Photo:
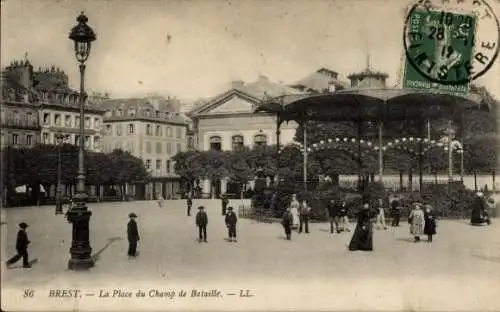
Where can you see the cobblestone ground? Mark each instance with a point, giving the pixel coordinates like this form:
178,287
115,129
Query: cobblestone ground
459,270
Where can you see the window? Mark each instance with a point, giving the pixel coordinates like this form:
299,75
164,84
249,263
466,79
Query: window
46,118
29,117
15,139
87,122
148,112
46,138
169,148
16,117
97,143
67,121
216,143
149,130
119,129
148,163
178,133
260,140
87,141
119,112
158,164
77,121
109,129
168,165
29,139
158,131
148,147
237,141
190,143
77,140
97,123
131,129
157,113
131,111
158,147
179,147
169,132
57,119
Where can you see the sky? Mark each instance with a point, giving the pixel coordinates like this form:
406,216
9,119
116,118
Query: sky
193,49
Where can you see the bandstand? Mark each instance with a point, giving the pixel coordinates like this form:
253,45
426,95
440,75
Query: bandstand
368,103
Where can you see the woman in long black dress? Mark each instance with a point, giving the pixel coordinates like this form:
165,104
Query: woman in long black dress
362,239
430,223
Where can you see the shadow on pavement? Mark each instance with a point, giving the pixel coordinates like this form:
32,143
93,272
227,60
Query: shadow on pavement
111,240
487,258
406,239
31,262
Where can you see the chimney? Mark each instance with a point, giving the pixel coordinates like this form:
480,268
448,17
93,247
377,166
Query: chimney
237,84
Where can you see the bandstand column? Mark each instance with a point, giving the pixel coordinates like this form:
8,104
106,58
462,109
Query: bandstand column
358,138
278,146
304,167
380,152
421,124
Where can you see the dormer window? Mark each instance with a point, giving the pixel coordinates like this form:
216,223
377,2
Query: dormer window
157,113
119,112
148,112
131,111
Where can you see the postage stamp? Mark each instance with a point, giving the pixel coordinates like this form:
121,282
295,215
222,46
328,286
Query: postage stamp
448,44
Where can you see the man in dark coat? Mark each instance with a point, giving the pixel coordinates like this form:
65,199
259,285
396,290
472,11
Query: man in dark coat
189,202
201,223
22,243
225,202
132,235
304,210
395,213
333,215
231,221
287,221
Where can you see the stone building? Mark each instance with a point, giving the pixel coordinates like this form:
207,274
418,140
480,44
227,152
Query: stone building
228,121
152,130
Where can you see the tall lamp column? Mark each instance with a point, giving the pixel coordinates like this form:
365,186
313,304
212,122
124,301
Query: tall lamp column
79,216
59,140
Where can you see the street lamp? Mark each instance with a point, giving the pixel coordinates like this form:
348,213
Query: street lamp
59,140
79,216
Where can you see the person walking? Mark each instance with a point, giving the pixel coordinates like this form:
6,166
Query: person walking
22,243
333,215
189,202
294,210
343,217
132,235
201,223
417,221
231,221
380,221
304,210
225,202
395,213
362,238
429,223
287,221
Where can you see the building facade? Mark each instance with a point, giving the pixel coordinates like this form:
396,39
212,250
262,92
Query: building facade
152,130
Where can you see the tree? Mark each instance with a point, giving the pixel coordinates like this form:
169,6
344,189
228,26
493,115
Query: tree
189,166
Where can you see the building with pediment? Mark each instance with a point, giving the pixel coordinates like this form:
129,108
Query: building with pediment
153,130
228,121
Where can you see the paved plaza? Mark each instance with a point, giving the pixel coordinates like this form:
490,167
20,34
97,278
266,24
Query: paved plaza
459,270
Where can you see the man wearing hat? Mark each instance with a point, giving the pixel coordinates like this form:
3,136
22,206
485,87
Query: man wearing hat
231,220
201,223
133,235
22,243
189,202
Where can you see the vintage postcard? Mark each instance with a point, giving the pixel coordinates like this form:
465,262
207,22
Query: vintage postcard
217,155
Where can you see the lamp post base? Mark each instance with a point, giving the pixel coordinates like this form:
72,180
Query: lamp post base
80,264
59,209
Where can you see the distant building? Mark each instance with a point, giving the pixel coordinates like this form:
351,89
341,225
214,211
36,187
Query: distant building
153,130
39,105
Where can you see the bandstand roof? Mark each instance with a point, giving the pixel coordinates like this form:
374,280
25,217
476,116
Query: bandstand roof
371,105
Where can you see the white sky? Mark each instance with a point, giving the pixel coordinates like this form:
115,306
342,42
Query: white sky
212,42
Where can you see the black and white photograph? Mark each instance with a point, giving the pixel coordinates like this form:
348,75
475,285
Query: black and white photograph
237,155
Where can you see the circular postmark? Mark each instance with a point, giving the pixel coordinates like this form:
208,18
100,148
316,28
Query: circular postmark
451,42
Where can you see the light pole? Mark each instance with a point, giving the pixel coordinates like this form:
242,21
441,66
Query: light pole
79,216
59,140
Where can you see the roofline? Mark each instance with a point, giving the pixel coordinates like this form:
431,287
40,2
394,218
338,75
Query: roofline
219,97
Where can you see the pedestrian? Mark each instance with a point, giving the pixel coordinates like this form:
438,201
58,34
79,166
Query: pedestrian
416,220
478,209
343,217
294,210
395,212
362,238
429,223
287,221
380,215
22,243
132,235
201,223
161,200
231,221
304,210
225,202
189,202
333,215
